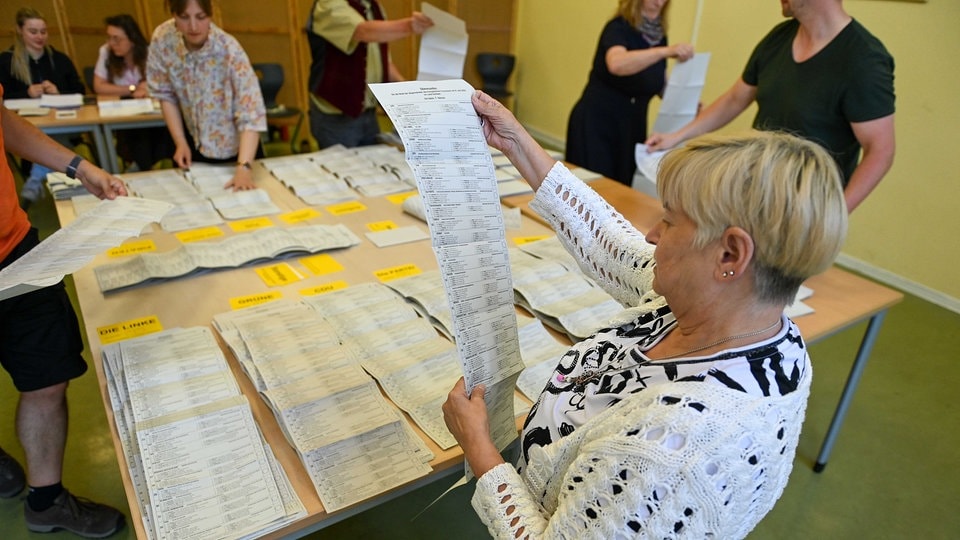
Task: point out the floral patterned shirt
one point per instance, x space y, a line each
215 87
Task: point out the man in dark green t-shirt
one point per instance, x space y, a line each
820 75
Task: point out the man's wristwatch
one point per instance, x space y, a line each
71 171
133 88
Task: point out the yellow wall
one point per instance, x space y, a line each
910 225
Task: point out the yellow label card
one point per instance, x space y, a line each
278 274
129 329
299 215
381 226
240 302
521 240
132 248
404 270
325 288
197 235
398 198
321 264
251 224
348 207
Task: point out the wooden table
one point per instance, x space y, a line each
841 299
194 301
88 119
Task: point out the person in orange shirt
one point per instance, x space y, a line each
40 346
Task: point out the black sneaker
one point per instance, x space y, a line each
80 516
12 479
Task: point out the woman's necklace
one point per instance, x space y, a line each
593 375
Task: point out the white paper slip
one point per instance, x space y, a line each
33 111
400 235
125 107
648 162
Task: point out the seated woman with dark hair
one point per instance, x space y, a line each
682 418
121 71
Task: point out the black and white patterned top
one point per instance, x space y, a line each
773 367
612 252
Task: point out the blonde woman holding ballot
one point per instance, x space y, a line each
682 418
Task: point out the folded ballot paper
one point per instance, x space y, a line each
105 226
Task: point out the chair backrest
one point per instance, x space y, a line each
270 76
495 69
88 79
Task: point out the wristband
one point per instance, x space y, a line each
72 167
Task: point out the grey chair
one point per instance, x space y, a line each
495 69
279 117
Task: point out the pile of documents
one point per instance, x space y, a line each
548 283
338 174
200 200
62 186
353 444
199 465
235 251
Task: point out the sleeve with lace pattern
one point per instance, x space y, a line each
503 503
608 247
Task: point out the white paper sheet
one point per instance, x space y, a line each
70 248
443 47
682 95
449 156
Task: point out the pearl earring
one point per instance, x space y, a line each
727 274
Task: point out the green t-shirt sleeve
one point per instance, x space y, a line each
870 93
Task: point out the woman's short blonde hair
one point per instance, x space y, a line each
785 191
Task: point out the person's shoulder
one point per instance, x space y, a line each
224 42
163 30
858 34
784 30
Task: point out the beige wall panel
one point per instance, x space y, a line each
487 14
272 14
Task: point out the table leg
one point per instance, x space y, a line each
102 151
111 150
859 363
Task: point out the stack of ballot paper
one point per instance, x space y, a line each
62 186
353 444
199 465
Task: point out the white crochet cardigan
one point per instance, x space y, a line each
683 460
710 465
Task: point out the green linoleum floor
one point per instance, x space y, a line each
893 471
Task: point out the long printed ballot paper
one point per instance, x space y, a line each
451 162
107 225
